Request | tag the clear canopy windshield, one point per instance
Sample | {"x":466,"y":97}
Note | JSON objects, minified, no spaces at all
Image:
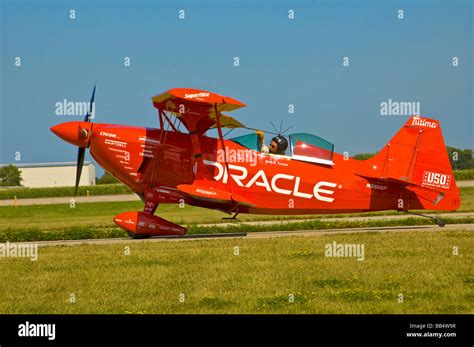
{"x":305,"y":147}
{"x":250,"y":141}
{"x":311,"y":148}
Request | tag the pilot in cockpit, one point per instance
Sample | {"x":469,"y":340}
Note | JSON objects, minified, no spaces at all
{"x":278,"y":145}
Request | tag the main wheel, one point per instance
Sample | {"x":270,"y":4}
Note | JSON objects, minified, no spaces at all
{"x":137,"y":236}
{"x":440,"y":222}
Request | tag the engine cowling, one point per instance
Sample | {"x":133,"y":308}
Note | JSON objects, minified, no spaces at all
{"x":143,"y":224}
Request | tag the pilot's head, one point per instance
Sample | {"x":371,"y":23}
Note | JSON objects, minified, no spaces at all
{"x":278,"y":145}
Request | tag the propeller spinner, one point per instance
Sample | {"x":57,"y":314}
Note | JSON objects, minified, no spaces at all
{"x":78,"y":134}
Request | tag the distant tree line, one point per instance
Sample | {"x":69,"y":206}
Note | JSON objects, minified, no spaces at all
{"x":10,"y":176}
{"x":106,"y":179}
{"x":460,"y":159}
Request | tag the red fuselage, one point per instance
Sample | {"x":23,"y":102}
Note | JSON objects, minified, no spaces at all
{"x":145,"y":157}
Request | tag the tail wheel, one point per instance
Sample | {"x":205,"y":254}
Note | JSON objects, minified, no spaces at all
{"x":437,"y":220}
{"x":137,"y":236}
{"x":440,"y":222}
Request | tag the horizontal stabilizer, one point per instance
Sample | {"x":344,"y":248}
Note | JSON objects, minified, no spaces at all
{"x":431,"y":195}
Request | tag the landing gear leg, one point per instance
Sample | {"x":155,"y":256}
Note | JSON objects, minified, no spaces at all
{"x":234,"y":217}
{"x":437,"y":220}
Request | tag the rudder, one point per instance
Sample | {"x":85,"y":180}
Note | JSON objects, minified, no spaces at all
{"x":416,"y":157}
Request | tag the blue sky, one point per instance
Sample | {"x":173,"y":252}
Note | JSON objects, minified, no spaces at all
{"x":282,"y":62}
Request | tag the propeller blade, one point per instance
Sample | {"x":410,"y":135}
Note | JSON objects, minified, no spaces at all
{"x":91,"y":105}
{"x":274,"y":128}
{"x":283,"y":132}
{"x":80,"y":162}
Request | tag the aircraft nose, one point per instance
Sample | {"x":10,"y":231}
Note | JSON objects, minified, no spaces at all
{"x":76,"y":133}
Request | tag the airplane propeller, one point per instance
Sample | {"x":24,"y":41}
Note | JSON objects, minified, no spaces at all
{"x":81,"y":153}
{"x":279,"y":131}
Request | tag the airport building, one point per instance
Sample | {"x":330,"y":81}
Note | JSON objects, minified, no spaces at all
{"x":55,"y":174}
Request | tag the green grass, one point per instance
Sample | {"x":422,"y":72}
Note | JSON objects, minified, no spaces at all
{"x":97,"y":214}
{"x":80,"y":233}
{"x":100,"y":215}
{"x":70,"y":233}
{"x":321,"y":225}
{"x":419,"y":265}
{"x":27,"y":193}
{"x":467,"y":199}
{"x":464,"y":175}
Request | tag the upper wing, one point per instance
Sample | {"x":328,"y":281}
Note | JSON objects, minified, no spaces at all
{"x":195,"y":105}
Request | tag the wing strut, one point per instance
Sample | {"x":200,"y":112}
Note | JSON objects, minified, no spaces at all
{"x":163,"y":115}
{"x":221,"y":138}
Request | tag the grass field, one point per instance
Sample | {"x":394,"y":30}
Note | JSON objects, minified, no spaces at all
{"x":31,"y":193}
{"x":418,"y":265}
{"x":81,"y":233}
{"x":261,"y":279}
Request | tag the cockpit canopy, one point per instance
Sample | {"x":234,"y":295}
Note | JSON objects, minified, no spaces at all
{"x":311,"y":148}
{"x":250,"y":141}
{"x":304,"y":147}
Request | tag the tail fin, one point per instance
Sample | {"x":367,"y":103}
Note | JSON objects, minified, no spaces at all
{"x":417,"y":159}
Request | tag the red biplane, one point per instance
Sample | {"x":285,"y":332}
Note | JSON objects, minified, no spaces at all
{"x":169,"y":165}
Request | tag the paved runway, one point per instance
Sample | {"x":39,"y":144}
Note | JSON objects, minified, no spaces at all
{"x":400,"y":215}
{"x":261,"y":235}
